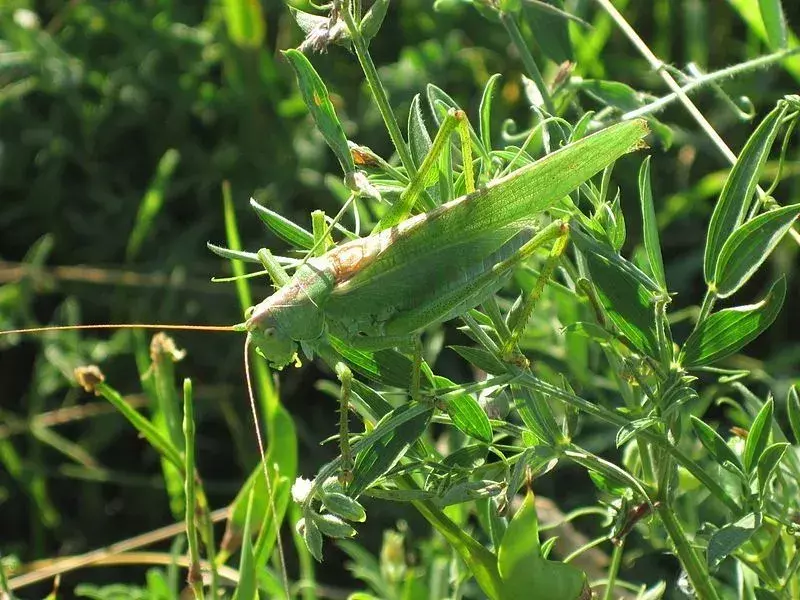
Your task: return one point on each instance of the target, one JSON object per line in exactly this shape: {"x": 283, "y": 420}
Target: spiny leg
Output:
{"x": 345, "y": 376}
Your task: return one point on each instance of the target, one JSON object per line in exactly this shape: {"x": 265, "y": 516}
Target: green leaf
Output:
{"x": 419, "y": 140}
{"x": 758, "y": 436}
{"x": 793, "y": 410}
{"x": 737, "y": 194}
{"x": 311, "y": 536}
{"x": 652, "y": 245}
{"x": 317, "y": 100}
{"x": 749, "y": 246}
{"x": 245, "y": 22}
{"x": 485, "y": 112}
{"x": 333, "y": 526}
{"x": 768, "y": 464}
{"x": 387, "y": 367}
{"x": 344, "y": 506}
{"x": 729, "y": 330}
{"x": 466, "y": 413}
{"x": 283, "y": 227}
{"x": 480, "y": 358}
{"x": 152, "y": 202}
{"x": 522, "y": 567}
{"x": 468, "y": 457}
{"x": 372, "y": 21}
{"x": 248, "y": 578}
{"x": 728, "y": 539}
{"x": 715, "y": 445}
{"x": 467, "y": 491}
{"x": 774, "y": 23}
{"x": 627, "y": 302}
{"x": 387, "y": 443}
{"x": 550, "y": 29}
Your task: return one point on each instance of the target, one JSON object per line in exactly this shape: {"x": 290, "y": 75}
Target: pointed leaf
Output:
{"x": 485, "y": 113}
{"x": 522, "y": 567}
{"x": 482, "y": 359}
{"x": 749, "y": 246}
{"x": 466, "y": 413}
{"x": 768, "y": 464}
{"x": 729, "y": 330}
{"x": 758, "y": 436}
{"x": 650, "y": 226}
{"x": 793, "y": 408}
{"x": 729, "y": 538}
{"x": 316, "y": 98}
{"x": 419, "y": 140}
{"x": 387, "y": 443}
{"x": 774, "y": 23}
{"x": 283, "y": 227}
{"x": 715, "y": 445}
{"x": 737, "y": 194}
{"x": 372, "y": 21}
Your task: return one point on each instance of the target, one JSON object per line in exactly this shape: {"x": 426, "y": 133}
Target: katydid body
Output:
{"x": 429, "y": 267}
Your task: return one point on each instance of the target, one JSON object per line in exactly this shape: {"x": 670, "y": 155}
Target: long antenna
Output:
{"x": 263, "y": 454}
{"x": 120, "y": 326}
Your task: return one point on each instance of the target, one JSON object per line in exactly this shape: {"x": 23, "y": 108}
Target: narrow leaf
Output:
{"x": 729, "y": 330}
{"x": 283, "y": 227}
{"x": 248, "y": 578}
{"x": 729, "y": 538}
{"x": 768, "y": 464}
{"x": 734, "y": 201}
{"x": 652, "y": 245}
{"x": 482, "y": 359}
{"x": 419, "y": 140}
{"x": 774, "y": 23}
{"x": 372, "y": 21}
{"x": 793, "y": 408}
{"x": 245, "y": 22}
{"x": 715, "y": 445}
{"x": 317, "y": 100}
{"x": 466, "y": 413}
{"x": 749, "y": 246}
{"x": 388, "y": 442}
{"x": 485, "y": 112}
{"x": 758, "y": 436}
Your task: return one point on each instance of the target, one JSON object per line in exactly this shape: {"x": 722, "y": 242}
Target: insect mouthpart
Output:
{"x": 278, "y": 348}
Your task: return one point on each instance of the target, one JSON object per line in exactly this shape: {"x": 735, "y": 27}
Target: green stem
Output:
{"x": 378, "y": 91}
{"x": 613, "y": 570}
{"x": 707, "y": 306}
{"x": 694, "y": 566}
{"x": 507, "y": 19}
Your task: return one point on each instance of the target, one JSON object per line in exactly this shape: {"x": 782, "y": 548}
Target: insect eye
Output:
{"x": 268, "y": 332}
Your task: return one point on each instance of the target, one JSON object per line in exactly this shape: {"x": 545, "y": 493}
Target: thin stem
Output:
{"x": 613, "y": 570}
{"x": 694, "y": 566}
{"x": 378, "y": 91}
{"x": 507, "y": 19}
{"x": 727, "y": 73}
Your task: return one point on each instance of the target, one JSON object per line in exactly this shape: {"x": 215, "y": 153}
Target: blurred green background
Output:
{"x": 119, "y": 123}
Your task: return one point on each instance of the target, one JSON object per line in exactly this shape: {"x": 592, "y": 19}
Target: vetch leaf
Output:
{"x": 522, "y": 567}
{"x": 344, "y": 506}
{"x": 652, "y": 245}
{"x": 312, "y": 537}
{"x": 283, "y": 227}
{"x": 793, "y": 410}
{"x": 372, "y": 21}
{"x": 749, "y": 246}
{"x": 774, "y": 23}
{"x": 485, "y": 112}
{"x": 419, "y": 140}
{"x": 768, "y": 464}
{"x": 317, "y": 100}
{"x": 758, "y": 436}
{"x": 727, "y": 331}
{"x": 715, "y": 445}
{"x": 466, "y": 413}
{"x": 728, "y": 539}
{"x": 387, "y": 443}
{"x": 737, "y": 194}
{"x": 480, "y": 358}
{"x": 245, "y": 22}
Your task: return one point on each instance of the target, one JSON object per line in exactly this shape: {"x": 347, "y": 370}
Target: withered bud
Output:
{"x": 163, "y": 345}
{"x": 88, "y": 377}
